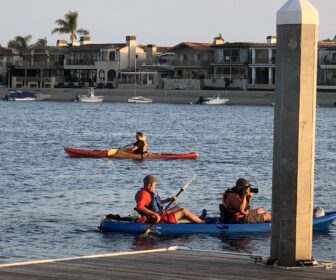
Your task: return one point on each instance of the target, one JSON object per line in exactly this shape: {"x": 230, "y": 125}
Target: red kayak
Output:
{"x": 127, "y": 154}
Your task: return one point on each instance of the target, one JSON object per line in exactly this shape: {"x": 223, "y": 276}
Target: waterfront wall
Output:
{"x": 181, "y": 84}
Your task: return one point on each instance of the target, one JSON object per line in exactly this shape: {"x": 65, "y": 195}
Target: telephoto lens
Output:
{"x": 254, "y": 190}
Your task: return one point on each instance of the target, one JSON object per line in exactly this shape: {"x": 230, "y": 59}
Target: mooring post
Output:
{"x": 294, "y": 133}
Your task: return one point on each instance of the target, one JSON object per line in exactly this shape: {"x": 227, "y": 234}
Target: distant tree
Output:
{"x": 42, "y": 42}
{"x": 68, "y": 25}
{"x": 20, "y": 43}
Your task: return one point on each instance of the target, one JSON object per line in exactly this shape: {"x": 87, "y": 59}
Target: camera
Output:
{"x": 254, "y": 190}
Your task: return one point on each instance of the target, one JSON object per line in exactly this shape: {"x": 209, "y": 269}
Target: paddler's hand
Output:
{"x": 173, "y": 199}
{"x": 246, "y": 192}
{"x": 157, "y": 217}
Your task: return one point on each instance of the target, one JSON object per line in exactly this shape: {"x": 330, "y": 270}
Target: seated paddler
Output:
{"x": 150, "y": 206}
{"x": 235, "y": 206}
{"x": 140, "y": 146}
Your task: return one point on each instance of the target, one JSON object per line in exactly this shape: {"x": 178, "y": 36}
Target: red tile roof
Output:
{"x": 5, "y": 52}
{"x": 193, "y": 45}
{"x": 326, "y": 44}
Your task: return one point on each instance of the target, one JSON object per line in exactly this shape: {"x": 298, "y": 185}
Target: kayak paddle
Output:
{"x": 148, "y": 230}
{"x": 114, "y": 151}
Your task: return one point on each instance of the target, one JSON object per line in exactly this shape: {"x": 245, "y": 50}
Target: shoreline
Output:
{"x": 257, "y": 98}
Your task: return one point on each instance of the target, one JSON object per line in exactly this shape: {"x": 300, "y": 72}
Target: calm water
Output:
{"x": 51, "y": 204}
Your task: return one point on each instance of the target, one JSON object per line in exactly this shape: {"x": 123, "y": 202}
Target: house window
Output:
{"x": 273, "y": 56}
{"x": 235, "y": 55}
{"x": 219, "y": 55}
{"x": 112, "y": 56}
{"x": 227, "y": 55}
{"x": 104, "y": 55}
{"x": 261, "y": 56}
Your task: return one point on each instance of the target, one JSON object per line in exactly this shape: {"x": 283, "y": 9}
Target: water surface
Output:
{"x": 51, "y": 204}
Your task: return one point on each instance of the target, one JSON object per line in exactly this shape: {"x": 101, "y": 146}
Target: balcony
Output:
{"x": 79, "y": 62}
{"x": 38, "y": 64}
{"x": 187, "y": 63}
{"x": 228, "y": 60}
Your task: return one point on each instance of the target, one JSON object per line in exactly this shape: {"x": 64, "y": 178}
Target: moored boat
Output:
{"x": 126, "y": 154}
{"x": 216, "y": 100}
{"x": 90, "y": 97}
{"x": 139, "y": 100}
{"x": 18, "y": 95}
{"x": 214, "y": 227}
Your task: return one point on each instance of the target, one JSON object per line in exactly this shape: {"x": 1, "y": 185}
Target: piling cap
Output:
{"x": 297, "y": 12}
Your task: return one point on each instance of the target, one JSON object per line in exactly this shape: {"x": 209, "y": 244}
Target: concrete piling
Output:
{"x": 294, "y": 133}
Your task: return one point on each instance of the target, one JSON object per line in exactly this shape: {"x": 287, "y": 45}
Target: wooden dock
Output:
{"x": 171, "y": 263}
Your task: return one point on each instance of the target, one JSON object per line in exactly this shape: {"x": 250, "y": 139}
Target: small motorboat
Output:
{"x": 18, "y": 95}
{"x": 216, "y": 100}
{"x": 90, "y": 97}
{"x": 212, "y": 226}
{"x": 126, "y": 154}
{"x": 139, "y": 100}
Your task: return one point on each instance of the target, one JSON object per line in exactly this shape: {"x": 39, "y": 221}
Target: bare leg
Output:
{"x": 187, "y": 214}
{"x": 267, "y": 217}
{"x": 174, "y": 209}
{"x": 260, "y": 211}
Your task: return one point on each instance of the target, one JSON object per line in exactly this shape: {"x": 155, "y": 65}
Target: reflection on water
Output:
{"x": 51, "y": 205}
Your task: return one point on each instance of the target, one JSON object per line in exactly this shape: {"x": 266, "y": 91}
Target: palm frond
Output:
{"x": 82, "y": 31}
{"x": 60, "y": 30}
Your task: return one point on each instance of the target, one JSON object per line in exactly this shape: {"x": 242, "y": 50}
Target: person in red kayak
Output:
{"x": 235, "y": 207}
{"x": 149, "y": 205}
{"x": 140, "y": 146}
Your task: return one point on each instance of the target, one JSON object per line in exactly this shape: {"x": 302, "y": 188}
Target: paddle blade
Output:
{"x": 146, "y": 233}
{"x": 188, "y": 183}
{"x": 112, "y": 152}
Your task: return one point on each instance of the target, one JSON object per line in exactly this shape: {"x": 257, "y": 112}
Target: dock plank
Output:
{"x": 179, "y": 264}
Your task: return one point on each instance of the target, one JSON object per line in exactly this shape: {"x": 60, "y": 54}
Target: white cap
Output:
{"x": 297, "y": 12}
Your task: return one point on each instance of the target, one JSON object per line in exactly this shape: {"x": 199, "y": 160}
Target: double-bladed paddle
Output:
{"x": 148, "y": 230}
{"x": 114, "y": 151}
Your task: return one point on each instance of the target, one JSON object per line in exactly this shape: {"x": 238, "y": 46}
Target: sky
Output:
{"x": 163, "y": 23}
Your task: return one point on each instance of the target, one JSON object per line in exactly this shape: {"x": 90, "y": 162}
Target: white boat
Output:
{"x": 90, "y": 97}
{"x": 139, "y": 99}
{"x": 216, "y": 100}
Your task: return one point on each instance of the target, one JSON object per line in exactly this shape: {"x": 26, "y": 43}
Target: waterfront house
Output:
{"x": 39, "y": 66}
{"x": 326, "y": 78}
{"x": 230, "y": 66}
{"x": 262, "y": 66}
{"x": 92, "y": 64}
{"x": 243, "y": 65}
{"x": 191, "y": 60}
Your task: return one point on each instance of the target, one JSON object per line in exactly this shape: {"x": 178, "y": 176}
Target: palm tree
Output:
{"x": 20, "y": 43}
{"x": 69, "y": 25}
{"x": 42, "y": 42}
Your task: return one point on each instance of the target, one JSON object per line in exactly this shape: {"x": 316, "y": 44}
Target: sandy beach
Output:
{"x": 263, "y": 98}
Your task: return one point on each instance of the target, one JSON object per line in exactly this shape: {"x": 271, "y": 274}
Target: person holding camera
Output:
{"x": 235, "y": 206}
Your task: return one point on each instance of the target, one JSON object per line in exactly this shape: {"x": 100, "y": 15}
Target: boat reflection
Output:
{"x": 232, "y": 243}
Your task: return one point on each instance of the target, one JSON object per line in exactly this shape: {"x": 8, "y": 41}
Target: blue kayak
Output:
{"x": 108, "y": 225}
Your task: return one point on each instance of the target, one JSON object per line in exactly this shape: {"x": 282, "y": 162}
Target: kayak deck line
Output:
{"x": 167, "y": 263}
